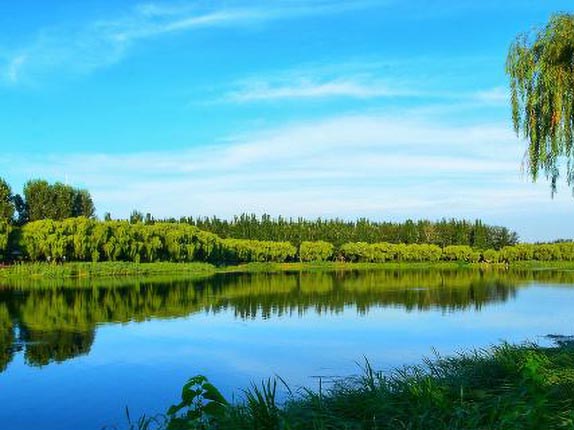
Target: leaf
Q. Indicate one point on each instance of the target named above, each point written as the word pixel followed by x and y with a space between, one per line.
pixel 212 393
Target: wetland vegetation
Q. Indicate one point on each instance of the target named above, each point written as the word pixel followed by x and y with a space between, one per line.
pixel 502 387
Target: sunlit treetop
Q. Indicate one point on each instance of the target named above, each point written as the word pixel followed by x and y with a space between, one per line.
pixel 540 65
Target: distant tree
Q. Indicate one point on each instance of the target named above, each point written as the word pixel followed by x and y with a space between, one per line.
pixel 57 201
pixel 38 200
pixel 22 210
pixel 541 71
pixel 409 232
pixel 83 204
pixel 6 202
pixel 149 219
pixel 107 216
pixel 136 217
pixel 479 235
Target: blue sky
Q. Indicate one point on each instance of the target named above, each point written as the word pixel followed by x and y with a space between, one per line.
pixel 387 109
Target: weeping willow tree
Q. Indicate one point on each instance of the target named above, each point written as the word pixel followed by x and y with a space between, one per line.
pixel 541 70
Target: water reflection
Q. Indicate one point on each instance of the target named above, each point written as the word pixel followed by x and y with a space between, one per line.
pixel 53 324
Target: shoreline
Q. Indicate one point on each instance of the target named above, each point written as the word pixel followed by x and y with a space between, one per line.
pixel 505 386
pixel 102 270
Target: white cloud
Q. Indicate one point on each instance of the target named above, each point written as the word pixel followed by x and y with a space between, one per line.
pixel 13 68
pixel 310 88
pixel 368 79
pixel 496 95
pixel 103 42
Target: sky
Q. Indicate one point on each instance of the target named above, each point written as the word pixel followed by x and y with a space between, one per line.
pixel 386 109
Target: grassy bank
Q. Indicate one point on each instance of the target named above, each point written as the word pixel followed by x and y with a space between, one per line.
pixel 102 270
pixel 339 266
pixel 506 387
pixel 76 270
pixel 542 265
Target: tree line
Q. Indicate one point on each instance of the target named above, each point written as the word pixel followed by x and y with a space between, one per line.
pixel 85 239
pixel 41 200
pixel 337 231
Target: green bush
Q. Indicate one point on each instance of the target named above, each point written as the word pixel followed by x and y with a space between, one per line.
pixel 357 252
pixel 491 256
pixel 421 253
pixel 547 252
pixel 83 239
pixel 383 252
pixel 567 251
pixel 315 251
pixel 244 251
pixel 458 253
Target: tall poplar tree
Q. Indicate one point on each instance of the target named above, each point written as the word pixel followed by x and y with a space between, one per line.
pixel 6 202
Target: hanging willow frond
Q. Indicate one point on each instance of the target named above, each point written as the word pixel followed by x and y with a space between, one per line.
pixel 541 70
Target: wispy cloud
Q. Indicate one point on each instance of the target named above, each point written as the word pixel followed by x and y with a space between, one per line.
pixel 102 42
pixel 368 79
pixel 306 88
pixel 496 96
pixel 14 66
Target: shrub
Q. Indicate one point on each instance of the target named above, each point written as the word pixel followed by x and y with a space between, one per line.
pixel 243 251
pixel 491 256
pixel 315 251
pixel 458 253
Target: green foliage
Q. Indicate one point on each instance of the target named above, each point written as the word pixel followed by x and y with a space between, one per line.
pixel 458 253
pixel 239 250
pixel 57 202
pixel 541 71
pixel 491 256
pixel 338 232
pixel 506 387
pixel 6 202
pixel 386 252
pixel 200 407
pixel 547 252
pixel 315 251
pixel 83 239
pixel 261 408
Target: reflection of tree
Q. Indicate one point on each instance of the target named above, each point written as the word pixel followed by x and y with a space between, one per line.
pixel 6 337
pixel 44 347
pixel 56 324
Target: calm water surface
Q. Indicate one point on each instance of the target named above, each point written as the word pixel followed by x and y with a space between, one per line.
pixel 73 357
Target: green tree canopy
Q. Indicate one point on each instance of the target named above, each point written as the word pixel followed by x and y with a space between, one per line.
pixel 541 70
pixel 6 201
pixel 57 201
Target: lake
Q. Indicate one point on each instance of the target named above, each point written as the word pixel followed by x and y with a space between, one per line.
pixel 74 356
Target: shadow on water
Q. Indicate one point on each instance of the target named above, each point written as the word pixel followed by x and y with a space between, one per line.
pixel 53 324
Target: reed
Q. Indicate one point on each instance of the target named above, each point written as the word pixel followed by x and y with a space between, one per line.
pixel 505 387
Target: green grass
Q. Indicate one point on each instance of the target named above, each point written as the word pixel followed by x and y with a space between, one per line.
pixel 79 270
pixel 339 266
pixel 543 265
pixel 505 387
pixel 102 269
